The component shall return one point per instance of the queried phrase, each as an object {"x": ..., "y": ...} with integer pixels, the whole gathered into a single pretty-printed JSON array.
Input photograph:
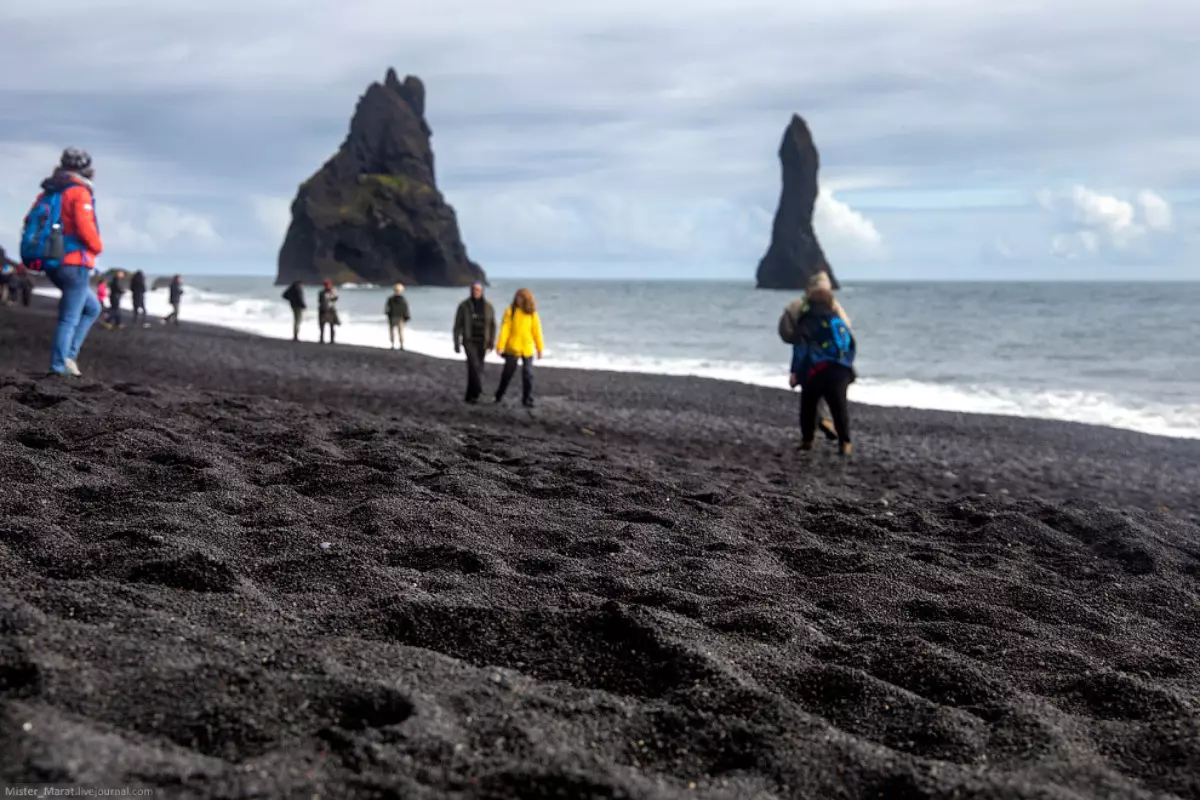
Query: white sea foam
[{"x": 272, "y": 318}]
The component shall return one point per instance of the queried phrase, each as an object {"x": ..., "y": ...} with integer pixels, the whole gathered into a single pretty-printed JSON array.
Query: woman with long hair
[{"x": 520, "y": 339}]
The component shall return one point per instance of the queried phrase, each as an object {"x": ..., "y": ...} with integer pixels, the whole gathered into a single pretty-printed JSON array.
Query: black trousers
[
  {"x": 114, "y": 311},
  {"x": 830, "y": 384},
  {"x": 139, "y": 307},
  {"x": 510, "y": 369},
  {"x": 475, "y": 355}
]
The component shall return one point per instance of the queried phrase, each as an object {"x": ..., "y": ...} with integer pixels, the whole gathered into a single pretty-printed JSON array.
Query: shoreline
[{"x": 779, "y": 384}]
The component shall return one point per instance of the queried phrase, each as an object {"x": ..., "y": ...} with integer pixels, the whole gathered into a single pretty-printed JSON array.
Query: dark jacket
[
  {"x": 295, "y": 297},
  {"x": 115, "y": 290},
  {"x": 138, "y": 284},
  {"x": 176, "y": 292},
  {"x": 472, "y": 326},
  {"x": 396, "y": 308}
]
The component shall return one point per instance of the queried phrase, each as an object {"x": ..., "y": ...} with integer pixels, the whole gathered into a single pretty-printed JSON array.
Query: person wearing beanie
[
  {"x": 475, "y": 331},
  {"x": 70, "y": 258},
  {"x": 396, "y": 311}
]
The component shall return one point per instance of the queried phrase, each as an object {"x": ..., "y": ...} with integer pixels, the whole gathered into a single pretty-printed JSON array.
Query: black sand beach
[{"x": 236, "y": 567}]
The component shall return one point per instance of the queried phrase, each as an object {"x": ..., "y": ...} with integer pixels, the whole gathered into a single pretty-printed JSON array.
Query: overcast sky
[{"x": 959, "y": 138}]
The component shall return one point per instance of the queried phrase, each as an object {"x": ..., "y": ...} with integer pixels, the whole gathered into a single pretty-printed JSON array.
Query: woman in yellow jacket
[{"x": 520, "y": 338}]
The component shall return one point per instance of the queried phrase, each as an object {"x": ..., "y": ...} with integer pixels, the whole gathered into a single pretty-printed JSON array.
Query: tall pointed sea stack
[
  {"x": 795, "y": 254},
  {"x": 373, "y": 213}
]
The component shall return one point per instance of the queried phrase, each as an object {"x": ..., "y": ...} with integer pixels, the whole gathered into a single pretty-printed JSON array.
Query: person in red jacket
[{"x": 78, "y": 309}]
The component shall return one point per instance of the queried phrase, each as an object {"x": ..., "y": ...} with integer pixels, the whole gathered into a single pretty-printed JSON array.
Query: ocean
[{"x": 1120, "y": 355}]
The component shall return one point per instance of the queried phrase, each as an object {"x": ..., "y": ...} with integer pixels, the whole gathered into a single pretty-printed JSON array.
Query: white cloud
[
  {"x": 1091, "y": 223},
  {"x": 1155, "y": 210},
  {"x": 840, "y": 228},
  {"x": 147, "y": 228}
]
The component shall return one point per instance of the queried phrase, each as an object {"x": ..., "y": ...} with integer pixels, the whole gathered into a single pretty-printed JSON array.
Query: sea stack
[
  {"x": 795, "y": 254},
  {"x": 373, "y": 213}
]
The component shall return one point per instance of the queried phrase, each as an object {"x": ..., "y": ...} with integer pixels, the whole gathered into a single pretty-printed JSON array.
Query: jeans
[
  {"x": 114, "y": 311},
  {"x": 829, "y": 384},
  {"x": 77, "y": 310},
  {"x": 510, "y": 368}
]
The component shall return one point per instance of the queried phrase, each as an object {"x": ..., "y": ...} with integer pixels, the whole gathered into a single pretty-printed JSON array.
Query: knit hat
[{"x": 76, "y": 160}]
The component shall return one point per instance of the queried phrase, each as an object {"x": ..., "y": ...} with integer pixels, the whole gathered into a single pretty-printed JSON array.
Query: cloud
[
  {"x": 1094, "y": 224},
  {"x": 142, "y": 228},
  {"x": 842, "y": 229},
  {"x": 613, "y": 125},
  {"x": 1155, "y": 210}
]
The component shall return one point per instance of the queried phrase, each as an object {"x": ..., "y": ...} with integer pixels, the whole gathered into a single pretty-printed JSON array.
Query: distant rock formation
[
  {"x": 795, "y": 254},
  {"x": 373, "y": 213}
]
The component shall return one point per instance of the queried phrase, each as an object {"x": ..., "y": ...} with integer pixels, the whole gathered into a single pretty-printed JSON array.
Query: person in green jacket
[{"x": 396, "y": 310}]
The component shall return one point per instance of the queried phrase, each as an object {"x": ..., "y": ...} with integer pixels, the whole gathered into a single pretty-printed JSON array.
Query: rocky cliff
[
  {"x": 373, "y": 212},
  {"x": 795, "y": 254}
]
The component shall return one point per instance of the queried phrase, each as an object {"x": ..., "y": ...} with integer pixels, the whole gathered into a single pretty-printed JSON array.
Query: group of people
[
  {"x": 110, "y": 291},
  {"x": 395, "y": 309},
  {"x": 61, "y": 240},
  {"x": 517, "y": 338}
]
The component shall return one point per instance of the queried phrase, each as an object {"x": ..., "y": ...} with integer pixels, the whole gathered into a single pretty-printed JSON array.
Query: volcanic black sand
[{"x": 235, "y": 567}]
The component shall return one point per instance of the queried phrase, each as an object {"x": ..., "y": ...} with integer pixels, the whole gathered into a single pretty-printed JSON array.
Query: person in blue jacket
[{"x": 823, "y": 368}]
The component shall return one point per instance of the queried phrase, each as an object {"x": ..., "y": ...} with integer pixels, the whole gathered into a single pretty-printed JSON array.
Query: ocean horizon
[{"x": 1080, "y": 351}]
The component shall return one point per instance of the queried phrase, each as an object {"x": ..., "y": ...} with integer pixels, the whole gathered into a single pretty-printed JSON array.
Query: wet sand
[{"x": 239, "y": 567}]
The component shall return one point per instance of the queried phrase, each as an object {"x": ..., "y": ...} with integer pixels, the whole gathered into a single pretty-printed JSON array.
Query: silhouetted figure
[
  {"x": 176, "y": 297},
  {"x": 137, "y": 288},
  {"x": 295, "y": 297},
  {"x": 475, "y": 331}
]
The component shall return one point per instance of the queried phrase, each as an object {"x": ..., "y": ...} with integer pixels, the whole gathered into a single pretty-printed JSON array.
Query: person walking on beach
[
  {"x": 520, "y": 339},
  {"x": 475, "y": 331},
  {"x": 137, "y": 288},
  {"x": 61, "y": 238},
  {"x": 327, "y": 310},
  {"x": 20, "y": 285},
  {"x": 102, "y": 298},
  {"x": 396, "y": 310},
  {"x": 114, "y": 303},
  {"x": 823, "y": 368},
  {"x": 295, "y": 297},
  {"x": 175, "y": 291},
  {"x": 787, "y": 332}
]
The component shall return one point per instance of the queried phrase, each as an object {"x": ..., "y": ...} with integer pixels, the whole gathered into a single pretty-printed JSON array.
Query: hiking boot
[
  {"x": 827, "y": 428},
  {"x": 845, "y": 449},
  {"x": 72, "y": 367},
  {"x": 804, "y": 447}
]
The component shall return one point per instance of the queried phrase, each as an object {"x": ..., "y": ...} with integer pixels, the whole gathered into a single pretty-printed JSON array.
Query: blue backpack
[
  {"x": 43, "y": 243},
  {"x": 823, "y": 337}
]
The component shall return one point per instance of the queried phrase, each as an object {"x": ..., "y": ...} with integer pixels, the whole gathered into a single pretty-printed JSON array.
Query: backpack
[
  {"x": 825, "y": 337},
  {"x": 788, "y": 319},
  {"x": 42, "y": 241}
]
